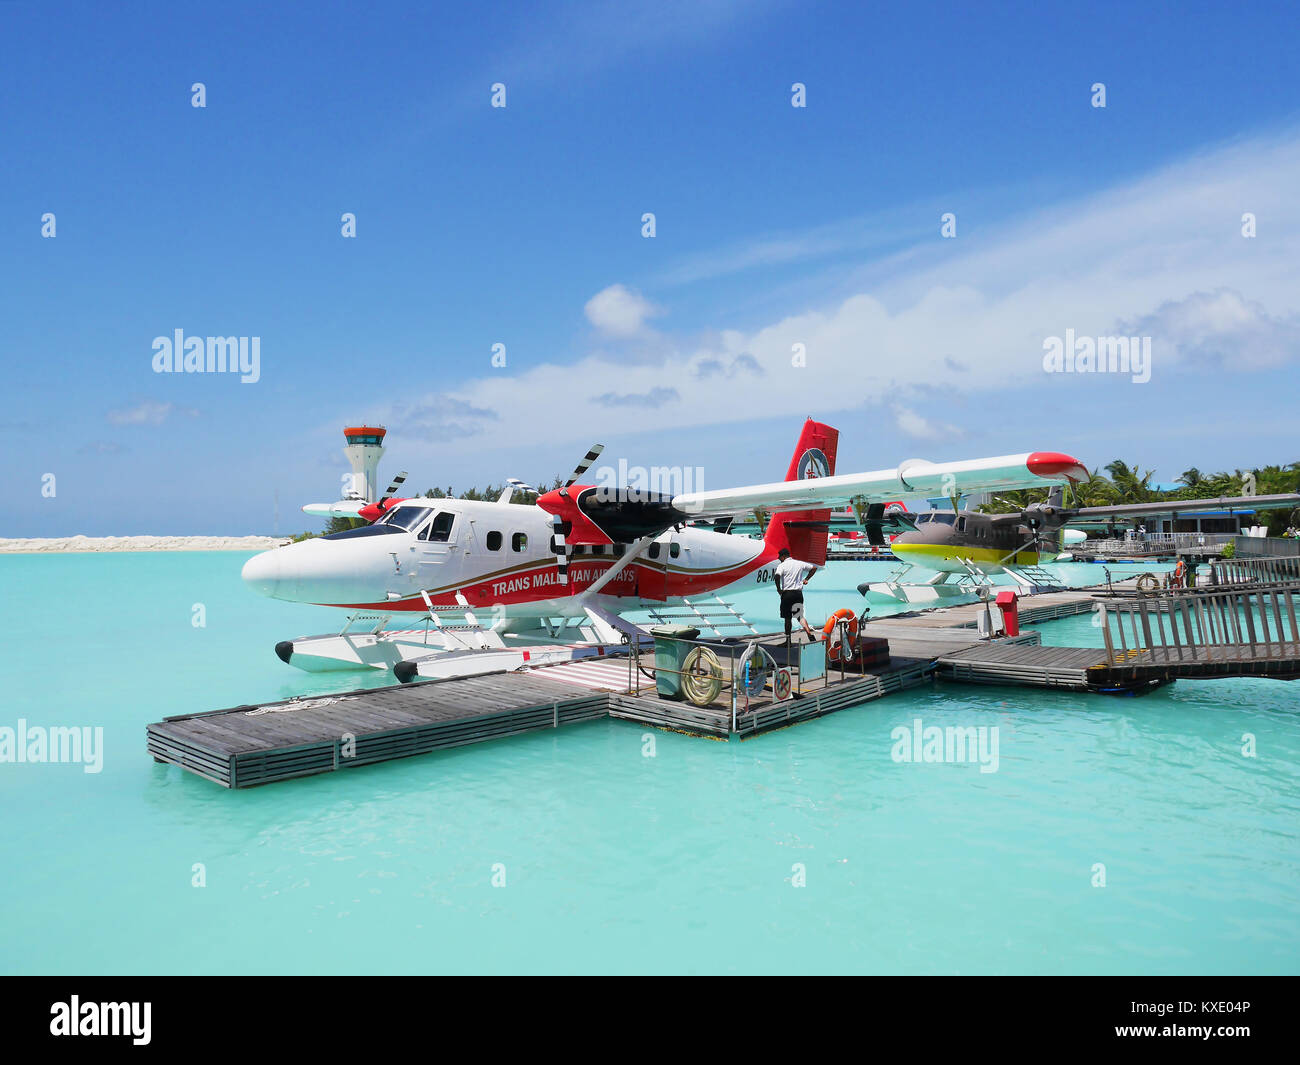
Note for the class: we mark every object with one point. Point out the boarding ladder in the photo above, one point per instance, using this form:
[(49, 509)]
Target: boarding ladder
[(712, 612), (1035, 579), (473, 635)]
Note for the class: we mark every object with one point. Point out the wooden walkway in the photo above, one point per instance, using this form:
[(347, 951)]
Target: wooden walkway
[(1034, 666), (1209, 661), (1034, 609)]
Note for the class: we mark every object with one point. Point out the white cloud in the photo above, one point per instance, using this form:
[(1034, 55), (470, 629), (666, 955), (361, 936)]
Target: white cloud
[(618, 311), (101, 447), (1166, 250), (1221, 328), (148, 412), (918, 427)]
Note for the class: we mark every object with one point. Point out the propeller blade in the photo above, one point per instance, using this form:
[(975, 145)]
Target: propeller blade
[(559, 547), (372, 512), (391, 491), (582, 467), (513, 485)]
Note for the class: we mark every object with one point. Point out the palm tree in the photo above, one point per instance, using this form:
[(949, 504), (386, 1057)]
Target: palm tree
[(1130, 485), (1096, 491)]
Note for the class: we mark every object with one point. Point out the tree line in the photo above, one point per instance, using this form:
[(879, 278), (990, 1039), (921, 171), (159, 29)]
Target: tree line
[(1125, 484)]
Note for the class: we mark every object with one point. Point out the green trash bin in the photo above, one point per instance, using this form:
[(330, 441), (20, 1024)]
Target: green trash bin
[(670, 653)]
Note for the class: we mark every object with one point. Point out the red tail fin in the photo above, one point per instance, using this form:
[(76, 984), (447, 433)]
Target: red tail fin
[(804, 531)]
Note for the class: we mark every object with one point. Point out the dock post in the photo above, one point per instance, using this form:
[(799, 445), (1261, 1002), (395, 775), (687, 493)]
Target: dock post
[(733, 691)]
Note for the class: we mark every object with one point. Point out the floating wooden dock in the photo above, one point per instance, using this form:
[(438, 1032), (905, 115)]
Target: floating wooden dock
[(245, 746), (1032, 666), (1239, 632), (248, 745)]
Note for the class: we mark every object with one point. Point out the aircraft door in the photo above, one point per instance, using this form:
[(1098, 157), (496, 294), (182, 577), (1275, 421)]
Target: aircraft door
[(436, 548)]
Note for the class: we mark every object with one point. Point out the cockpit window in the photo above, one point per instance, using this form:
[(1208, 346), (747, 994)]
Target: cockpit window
[(438, 531), (405, 517), (946, 517)]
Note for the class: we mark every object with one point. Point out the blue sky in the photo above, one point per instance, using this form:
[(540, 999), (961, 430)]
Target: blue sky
[(521, 225)]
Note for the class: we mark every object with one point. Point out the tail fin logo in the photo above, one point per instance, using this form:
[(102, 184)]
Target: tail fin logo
[(813, 464)]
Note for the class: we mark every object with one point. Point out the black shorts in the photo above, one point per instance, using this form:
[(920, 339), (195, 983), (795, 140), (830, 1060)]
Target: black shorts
[(792, 604)]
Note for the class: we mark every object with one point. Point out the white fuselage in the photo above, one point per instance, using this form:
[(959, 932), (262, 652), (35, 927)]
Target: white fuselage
[(499, 558)]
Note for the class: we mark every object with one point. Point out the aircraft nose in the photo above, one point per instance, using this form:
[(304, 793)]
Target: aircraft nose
[(262, 572)]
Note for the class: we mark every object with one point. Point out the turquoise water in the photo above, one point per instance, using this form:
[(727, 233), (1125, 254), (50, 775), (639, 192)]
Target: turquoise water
[(618, 862)]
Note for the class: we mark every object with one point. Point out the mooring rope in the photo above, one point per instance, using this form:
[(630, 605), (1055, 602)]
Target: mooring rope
[(293, 704)]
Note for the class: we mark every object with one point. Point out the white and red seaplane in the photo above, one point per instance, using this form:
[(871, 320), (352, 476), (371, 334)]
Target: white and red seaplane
[(495, 585)]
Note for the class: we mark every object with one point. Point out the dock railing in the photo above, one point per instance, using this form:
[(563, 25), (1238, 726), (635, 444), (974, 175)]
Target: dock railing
[(1153, 544), (1261, 570), (1265, 547), (1240, 625)]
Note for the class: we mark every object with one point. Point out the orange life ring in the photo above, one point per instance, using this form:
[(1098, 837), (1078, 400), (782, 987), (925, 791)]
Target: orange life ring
[(832, 626)]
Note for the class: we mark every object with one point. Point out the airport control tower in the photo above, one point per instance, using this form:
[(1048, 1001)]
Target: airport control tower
[(364, 450)]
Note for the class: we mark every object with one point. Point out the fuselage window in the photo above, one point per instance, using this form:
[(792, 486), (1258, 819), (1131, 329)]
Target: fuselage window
[(674, 549), (961, 524), (654, 550), (494, 541), (519, 542)]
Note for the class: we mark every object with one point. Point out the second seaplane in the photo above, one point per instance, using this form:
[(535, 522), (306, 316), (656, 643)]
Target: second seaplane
[(972, 546), (507, 584)]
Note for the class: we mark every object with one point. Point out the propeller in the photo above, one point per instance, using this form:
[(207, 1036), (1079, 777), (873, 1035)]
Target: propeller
[(372, 512), (583, 466), (560, 527), (873, 517)]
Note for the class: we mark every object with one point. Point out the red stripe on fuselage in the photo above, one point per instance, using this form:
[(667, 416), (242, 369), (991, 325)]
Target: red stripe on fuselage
[(541, 582)]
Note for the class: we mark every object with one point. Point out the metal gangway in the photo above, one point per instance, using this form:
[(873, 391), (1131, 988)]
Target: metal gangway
[(710, 612), (1035, 579), (1243, 631)]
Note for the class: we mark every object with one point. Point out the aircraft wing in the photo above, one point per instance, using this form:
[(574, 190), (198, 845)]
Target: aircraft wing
[(915, 479), (1186, 506), (344, 508)]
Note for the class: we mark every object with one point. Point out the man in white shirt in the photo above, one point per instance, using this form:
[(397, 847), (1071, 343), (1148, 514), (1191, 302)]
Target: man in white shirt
[(790, 577)]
